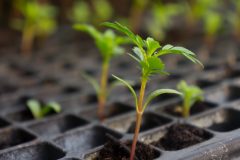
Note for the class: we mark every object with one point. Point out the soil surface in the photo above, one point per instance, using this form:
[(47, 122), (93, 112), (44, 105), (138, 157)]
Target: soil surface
[(180, 136), (121, 151), (196, 108)]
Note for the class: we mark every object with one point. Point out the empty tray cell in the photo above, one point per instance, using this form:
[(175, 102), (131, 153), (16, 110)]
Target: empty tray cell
[(57, 125), (175, 109), (11, 137), (202, 83), (42, 151), (83, 140), (224, 94), (223, 120), (3, 123), (126, 124), (112, 110)]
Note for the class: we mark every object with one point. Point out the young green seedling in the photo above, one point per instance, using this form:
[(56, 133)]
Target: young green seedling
[(148, 53), (207, 12), (95, 13), (137, 9), (233, 18), (39, 110), (162, 18), (38, 22), (190, 95), (108, 44)]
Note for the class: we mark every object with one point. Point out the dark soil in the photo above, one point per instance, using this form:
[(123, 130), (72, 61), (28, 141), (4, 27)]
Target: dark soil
[(180, 136), (196, 108), (117, 151)]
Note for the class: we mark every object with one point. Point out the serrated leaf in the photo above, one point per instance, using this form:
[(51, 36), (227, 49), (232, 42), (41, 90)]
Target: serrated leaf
[(158, 92), (129, 87), (135, 38), (35, 108), (152, 45), (169, 49)]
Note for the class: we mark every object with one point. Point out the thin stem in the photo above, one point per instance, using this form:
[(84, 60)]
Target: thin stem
[(27, 40), (138, 117), (136, 133), (185, 112), (186, 108), (103, 90), (141, 94)]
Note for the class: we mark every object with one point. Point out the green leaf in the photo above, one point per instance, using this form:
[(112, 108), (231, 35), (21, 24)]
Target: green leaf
[(128, 85), (54, 106), (93, 82), (138, 52), (35, 108), (89, 29), (152, 45), (135, 38), (169, 49), (51, 106), (190, 94), (159, 92)]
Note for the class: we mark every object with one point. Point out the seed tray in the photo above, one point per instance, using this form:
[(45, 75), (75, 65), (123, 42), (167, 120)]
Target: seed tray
[(76, 133)]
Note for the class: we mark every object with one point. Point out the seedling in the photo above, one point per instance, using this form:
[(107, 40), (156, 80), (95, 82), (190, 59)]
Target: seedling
[(137, 9), (207, 12), (40, 110), (233, 18), (148, 53), (162, 18), (39, 21), (190, 95), (108, 44), (98, 11)]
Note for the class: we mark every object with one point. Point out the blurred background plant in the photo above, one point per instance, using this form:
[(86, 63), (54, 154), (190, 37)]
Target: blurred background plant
[(38, 21), (191, 19)]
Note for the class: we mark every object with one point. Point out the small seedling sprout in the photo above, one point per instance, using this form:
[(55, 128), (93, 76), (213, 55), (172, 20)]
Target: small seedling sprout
[(108, 44), (39, 21), (39, 111), (148, 53), (190, 95)]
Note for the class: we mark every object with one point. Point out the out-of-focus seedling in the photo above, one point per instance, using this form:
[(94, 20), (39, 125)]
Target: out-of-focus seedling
[(190, 95), (162, 18), (148, 53), (39, 21), (39, 110), (207, 12), (137, 9), (233, 18), (108, 44), (99, 11)]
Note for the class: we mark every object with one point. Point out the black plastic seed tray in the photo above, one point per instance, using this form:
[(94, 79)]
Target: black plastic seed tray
[(76, 132)]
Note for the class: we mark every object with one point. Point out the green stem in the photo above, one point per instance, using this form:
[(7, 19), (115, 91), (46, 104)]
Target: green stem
[(27, 40), (138, 117), (103, 90), (136, 133), (186, 107)]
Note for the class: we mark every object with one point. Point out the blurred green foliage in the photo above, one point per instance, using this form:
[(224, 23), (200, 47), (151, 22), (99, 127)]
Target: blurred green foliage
[(39, 16), (83, 12)]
